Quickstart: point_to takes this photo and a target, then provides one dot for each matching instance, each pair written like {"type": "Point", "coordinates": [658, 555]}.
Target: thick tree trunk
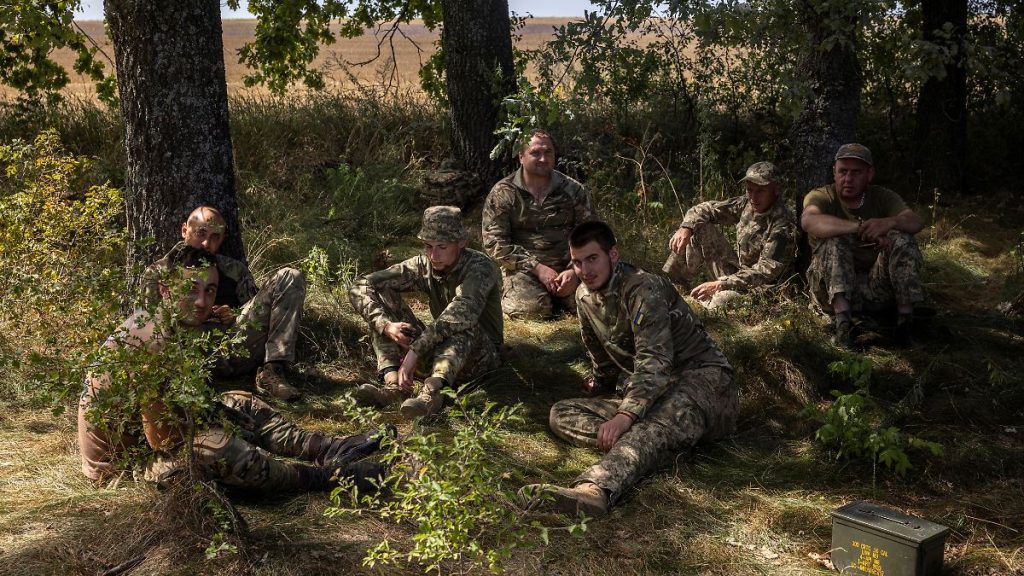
{"type": "Point", "coordinates": [170, 73]}
{"type": "Point", "coordinates": [829, 116]}
{"type": "Point", "coordinates": [477, 45]}
{"type": "Point", "coordinates": [940, 138]}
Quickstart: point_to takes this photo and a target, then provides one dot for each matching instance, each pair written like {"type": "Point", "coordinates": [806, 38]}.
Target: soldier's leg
{"type": "Point", "coordinates": [389, 354]}
{"type": "Point", "coordinates": [457, 360]}
{"type": "Point", "coordinates": [523, 296]}
{"type": "Point", "coordinates": [708, 246]}
{"type": "Point", "coordinates": [896, 275]}
{"type": "Point", "coordinates": [831, 272]}
{"type": "Point", "coordinates": [576, 420]}
{"type": "Point", "coordinates": [230, 460]}
{"type": "Point", "coordinates": [673, 423]}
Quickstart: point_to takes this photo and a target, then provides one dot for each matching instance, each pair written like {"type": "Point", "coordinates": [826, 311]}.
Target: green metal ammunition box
{"type": "Point", "coordinates": [869, 540]}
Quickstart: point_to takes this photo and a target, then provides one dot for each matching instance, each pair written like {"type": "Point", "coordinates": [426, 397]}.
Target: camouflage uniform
{"type": "Point", "coordinates": [677, 383]}
{"type": "Point", "coordinates": [519, 234]}
{"type": "Point", "coordinates": [871, 278]}
{"type": "Point", "coordinates": [242, 458]}
{"type": "Point", "coordinates": [763, 255]}
{"type": "Point", "coordinates": [269, 317]}
{"type": "Point", "coordinates": [467, 331]}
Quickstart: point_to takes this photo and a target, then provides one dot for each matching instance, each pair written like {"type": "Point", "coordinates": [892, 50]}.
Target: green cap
{"type": "Point", "coordinates": [442, 224]}
{"type": "Point", "coordinates": [854, 150]}
{"type": "Point", "coordinates": [762, 174]}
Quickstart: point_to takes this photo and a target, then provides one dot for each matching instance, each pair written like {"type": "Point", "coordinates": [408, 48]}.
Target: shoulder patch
{"type": "Point", "coordinates": [638, 319]}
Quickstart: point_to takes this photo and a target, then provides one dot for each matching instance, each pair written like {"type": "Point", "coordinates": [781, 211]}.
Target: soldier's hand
{"type": "Point", "coordinates": [222, 314]}
{"type": "Point", "coordinates": [706, 290]}
{"type": "Point", "coordinates": [400, 333]}
{"type": "Point", "coordinates": [566, 283]}
{"type": "Point", "coordinates": [680, 240]}
{"type": "Point", "coordinates": [547, 276]}
{"type": "Point", "coordinates": [610, 432]}
{"type": "Point", "coordinates": [407, 371]}
{"type": "Point", "coordinates": [876, 229]}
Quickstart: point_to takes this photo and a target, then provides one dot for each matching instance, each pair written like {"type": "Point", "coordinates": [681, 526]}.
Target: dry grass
{"type": "Point", "coordinates": [334, 60]}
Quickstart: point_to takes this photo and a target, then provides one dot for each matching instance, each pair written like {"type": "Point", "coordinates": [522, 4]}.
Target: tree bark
{"type": "Point", "coordinates": [940, 137]}
{"type": "Point", "coordinates": [477, 45]}
{"type": "Point", "coordinates": [829, 115]}
{"type": "Point", "coordinates": [169, 60]}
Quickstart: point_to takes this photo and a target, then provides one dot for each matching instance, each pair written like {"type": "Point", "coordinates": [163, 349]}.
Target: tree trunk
{"type": "Point", "coordinates": [940, 137]}
{"type": "Point", "coordinates": [170, 73]}
{"type": "Point", "coordinates": [477, 45]}
{"type": "Point", "coordinates": [829, 116]}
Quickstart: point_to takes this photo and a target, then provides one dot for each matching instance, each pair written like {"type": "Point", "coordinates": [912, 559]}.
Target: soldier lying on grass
{"type": "Point", "coordinates": [235, 450]}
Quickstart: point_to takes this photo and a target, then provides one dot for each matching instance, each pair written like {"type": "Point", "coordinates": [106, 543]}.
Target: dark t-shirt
{"type": "Point", "coordinates": [879, 202]}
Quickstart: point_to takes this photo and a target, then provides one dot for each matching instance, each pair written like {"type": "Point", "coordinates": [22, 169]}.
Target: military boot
{"type": "Point", "coordinates": [337, 451]}
{"type": "Point", "coordinates": [378, 396]}
{"type": "Point", "coordinates": [842, 336]}
{"type": "Point", "coordinates": [270, 381]}
{"type": "Point", "coordinates": [429, 400]}
{"type": "Point", "coordinates": [314, 478]}
{"type": "Point", "coordinates": [586, 497]}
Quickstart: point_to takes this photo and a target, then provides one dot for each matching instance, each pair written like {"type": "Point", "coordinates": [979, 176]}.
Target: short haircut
{"type": "Point", "coordinates": [541, 133]}
{"type": "Point", "coordinates": [189, 257]}
{"type": "Point", "coordinates": [193, 216]}
{"type": "Point", "coordinates": [593, 231]}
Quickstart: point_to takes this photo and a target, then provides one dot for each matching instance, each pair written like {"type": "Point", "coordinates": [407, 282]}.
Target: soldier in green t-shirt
{"type": "Point", "coordinates": [864, 253]}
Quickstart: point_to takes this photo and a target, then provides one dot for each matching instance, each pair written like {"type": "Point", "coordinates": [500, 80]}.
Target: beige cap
{"type": "Point", "coordinates": [854, 150]}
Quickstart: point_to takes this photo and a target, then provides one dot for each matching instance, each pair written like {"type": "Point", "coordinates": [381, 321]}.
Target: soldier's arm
{"type": "Point", "coordinates": [245, 284]}
{"type": "Point", "coordinates": [364, 295]}
{"type": "Point", "coordinates": [776, 259]}
{"type": "Point", "coordinates": [724, 212]}
{"type": "Point", "coordinates": [463, 312]}
{"type": "Point", "coordinates": [497, 234]}
{"type": "Point", "coordinates": [647, 305]}
{"type": "Point", "coordinates": [605, 371]}
{"type": "Point", "coordinates": [821, 225]}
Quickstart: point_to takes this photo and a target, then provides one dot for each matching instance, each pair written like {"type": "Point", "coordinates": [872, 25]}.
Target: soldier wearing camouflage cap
{"type": "Point", "coordinates": [527, 218]}
{"type": "Point", "coordinates": [765, 240]}
{"type": "Point", "coordinates": [864, 253]}
{"type": "Point", "coordinates": [462, 341]}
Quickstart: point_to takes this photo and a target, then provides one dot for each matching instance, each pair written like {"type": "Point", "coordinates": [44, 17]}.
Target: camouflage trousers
{"type": "Point", "coordinates": [523, 296]}
{"type": "Point", "coordinates": [707, 247]}
{"type": "Point", "coordinates": [464, 356]}
{"type": "Point", "coordinates": [674, 423]}
{"type": "Point", "coordinates": [895, 277]}
{"type": "Point", "coordinates": [270, 324]}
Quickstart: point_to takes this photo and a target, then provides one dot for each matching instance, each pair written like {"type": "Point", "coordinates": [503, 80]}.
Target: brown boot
{"type": "Point", "coordinates": [270, 381]}
{"type": "Point", "coordinates": [429, 400]}
{"type": "Point", "coordinates": [378, 396]}
{"type": "Point", "coordinates": [586, 497]}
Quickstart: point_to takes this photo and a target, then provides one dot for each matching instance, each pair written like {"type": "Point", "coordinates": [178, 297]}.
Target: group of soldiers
{"type": "Point", "coordinates": [659, 382]}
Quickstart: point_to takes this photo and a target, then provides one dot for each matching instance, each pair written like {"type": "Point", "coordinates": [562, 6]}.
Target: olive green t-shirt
{"type": "Point", "coordinates": [879, 202]}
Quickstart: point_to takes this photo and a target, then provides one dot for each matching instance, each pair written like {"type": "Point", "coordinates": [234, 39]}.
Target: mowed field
{"type": "Point", "coordinates": [339, 61]}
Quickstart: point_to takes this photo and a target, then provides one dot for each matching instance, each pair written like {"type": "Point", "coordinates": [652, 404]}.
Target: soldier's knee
{"type": "Point", "coordinates": [899, 241]}
{"type": "Point", "coordinates": [290, 277]}
{"type": "Point", "coordinates": [526, 309]}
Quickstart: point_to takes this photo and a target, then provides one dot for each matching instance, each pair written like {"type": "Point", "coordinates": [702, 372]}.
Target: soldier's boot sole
{"type": "Point", "coordinates": [587, 498]}
{"type": "Point", "coordinates": [422, 405]}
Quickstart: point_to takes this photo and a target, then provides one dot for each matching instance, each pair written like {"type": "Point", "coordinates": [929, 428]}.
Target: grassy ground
{"type": "Point", "coordinates": [757, 503]}
{"type": "Point", "coordinates": [341, 175]}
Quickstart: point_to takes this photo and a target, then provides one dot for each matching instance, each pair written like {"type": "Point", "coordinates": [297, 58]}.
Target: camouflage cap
{"type": "Point", "coordinates": [854, 150]}
{"type": "Point", "coordinates": [762, 174]}
{"type": "Point", "coordinates": [442, 224]}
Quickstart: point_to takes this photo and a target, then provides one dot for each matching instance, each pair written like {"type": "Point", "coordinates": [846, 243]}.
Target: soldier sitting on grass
{"type": "Point", "coordinates": [269, 317]}
{"type": "Point", "coordinates": [765, 240]}
{"type": "Point", "coordinates": [462, 341]}
{"type": "Point", "coordinates": [239, 455]}
{"type": "Point", "coordinates": [677, 387]}
{"type": "Point", "coordinates": [865, 257]}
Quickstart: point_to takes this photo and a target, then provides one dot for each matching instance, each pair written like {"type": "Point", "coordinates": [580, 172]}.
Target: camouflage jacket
{"type": "Point", "coordinates": [468, 294]}
{"type": "Point", "coordinates": [639, 325]}
{"type": "Point", "coordinates": [519, 234]}
{"type": "Point", "coordinates": [765, 243]}
{"type": "Point", "coordinates": [236, 285]}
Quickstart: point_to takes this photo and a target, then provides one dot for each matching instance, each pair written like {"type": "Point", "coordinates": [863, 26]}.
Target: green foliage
{"type": "Point", "coordinates": [61, 248]}
{"type": "Point", "coordinates": [289, 33]}
{"type": "Point", "coordinates": [452, 491]}
{"type": "Point", "coordinates": [853, 423]}
{"type": "Point", "coordinates": [30, 30]}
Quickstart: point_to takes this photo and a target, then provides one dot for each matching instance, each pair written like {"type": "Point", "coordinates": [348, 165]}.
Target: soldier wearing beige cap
{"type": "Point", "coordinates": [765, 240]}
{"type": "Point", "coordinates": [864, 253]}
{"type": "Point", "coordinates": [463, 289]}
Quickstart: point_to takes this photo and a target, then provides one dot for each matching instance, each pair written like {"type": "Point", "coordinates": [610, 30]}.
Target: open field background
{"type": "Point", "coordinates": [335, 60]}
{"type": "Point", "coordinates": [340, 173]}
